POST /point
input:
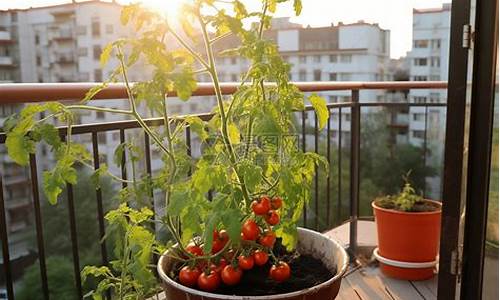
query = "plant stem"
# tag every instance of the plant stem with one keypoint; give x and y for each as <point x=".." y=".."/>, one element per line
<point x="218" y="93"/>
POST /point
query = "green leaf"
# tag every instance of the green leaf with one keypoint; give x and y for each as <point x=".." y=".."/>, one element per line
<point x="119" y="153"/>
<point x="319" y="105"/>
<point x="231" y="221"/>
<point x="184" y="84"/>
<point x="197" y="125"/>
<point x="297" y="6"/>
<point x="234" y="134"/>
<point x="106" y="54"/>
<point x="50" y="135"/>
<point x="252" y="174"/>
<point x="19" y="147"/>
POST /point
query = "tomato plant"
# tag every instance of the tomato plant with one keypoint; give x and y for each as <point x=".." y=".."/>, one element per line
<point x="231" y="275"/>
<point x="250" y="230"/>
<point x="260" y="257"/>
<point x="217" y="199"/>
<point x="261" y="206"/>
<point x="245" y="262"/>
<point x="280" y="271"/>
<point x="209" y="281"/>
<point x="189" y="276"/>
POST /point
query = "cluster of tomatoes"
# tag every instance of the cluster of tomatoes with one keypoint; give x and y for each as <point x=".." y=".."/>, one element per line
<point x="254" y="251"/>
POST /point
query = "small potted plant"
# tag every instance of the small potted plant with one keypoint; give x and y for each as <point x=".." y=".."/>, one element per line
<point x="232" y="212"/>
<point x="408" y="228"/>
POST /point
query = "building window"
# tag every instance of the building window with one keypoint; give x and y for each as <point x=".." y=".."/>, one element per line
<point x="420" y="61"/>
<point x="82" y="51"/>
<point x="38" y="60"/>
<point x="419" y="99"/>
<point x="14" y="16"/>
<point x="302" y="59"/>
<point x="420" y="78"/>
<point x="96" y="27"/>
<point x="348" y="117"/>
<point x="102" y="138"/>
<point x="335" y="116"/>
<point x="333" y="99"/>
<point x="435" y="62"/>
<point x="436" y="44"/>
<point x="99" y="115"/>
<point x="317" y="58"/>
<point x="418" y="117"/>
<point x="434" y="97"/>
<point x="345" y="58"/>
<point x="81" y="30"/>
<point x="97" y="52"/>
<point x="37" y="39"/>
<point x="420" y="43"/>
<point x="109" y="28"/>
<point x="98" y="75"/>
<point x="317" y="75"/>
<point x="434" y="78"/>
<point x="419" y="134"/>
<point x="302" y="75"/>
<point x="234" y="77"/>
<point x="193" y="107"/>
<point x="115" y="136"/>
<point x="345" y="76"/>
<point x="233" y="60"/>
<point x="333" y="58"/>
<point x="333" y="76"/>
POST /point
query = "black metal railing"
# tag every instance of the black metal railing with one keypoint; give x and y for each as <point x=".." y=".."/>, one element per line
<point x="350" y="146"/>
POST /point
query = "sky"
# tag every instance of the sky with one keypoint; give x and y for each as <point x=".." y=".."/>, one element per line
<point x="395" y="15"/>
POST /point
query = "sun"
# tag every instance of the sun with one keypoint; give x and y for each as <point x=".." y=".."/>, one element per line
<point x="168" y="7"/>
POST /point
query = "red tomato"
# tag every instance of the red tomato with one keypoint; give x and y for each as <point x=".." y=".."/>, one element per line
<point x="276" y="202"/>
<point x="272" y="218"/>
<point x="189" y="276"/>
<point x="195" y="250"/>
<point x="260" y="257"/>
<point x="220" y="266"/>
<point x="268" y="239"/>
<point x="261" y="206"/>
<point x="209" y="282"/>
<point x="230" y="275"/>
<point x="280" y="271"/>
<point x="245" y="262"/>
<point x="250" y="230"/>
<point x="220" y="238"/>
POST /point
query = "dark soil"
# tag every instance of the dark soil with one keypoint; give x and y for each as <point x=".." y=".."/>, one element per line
<point x="421" y="206"/>
<point x="307" y="272"/>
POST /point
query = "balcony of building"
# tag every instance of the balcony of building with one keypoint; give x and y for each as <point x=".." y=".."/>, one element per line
<point x="6" y="61"/>
<point x="5" y="36"/>
<point x="334" y="212"/>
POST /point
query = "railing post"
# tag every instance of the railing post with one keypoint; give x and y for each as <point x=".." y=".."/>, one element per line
<point x="354" y="172"/>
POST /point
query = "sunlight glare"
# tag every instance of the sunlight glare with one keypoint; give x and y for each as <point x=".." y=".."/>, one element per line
<point x="170" y="8"/>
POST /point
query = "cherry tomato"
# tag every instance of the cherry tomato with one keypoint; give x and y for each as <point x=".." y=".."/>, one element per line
<point x="220" y="266"/>
<point x="276" y="202"/>
<point x="245" y="262"/>
<point x="272" y="218"/>
<point x="230" y="275"/>
<point x="268" y="239"/>
<point x="280" y="271"/>
<point x="209" y="281"/>
<point x="250" y="230"/>
<point x="220" y="238"/>
<point x="260" y="257"/>
<point x="195" y="250"/>
<point x="261" y="206"/>
<point x="189" y="276"/>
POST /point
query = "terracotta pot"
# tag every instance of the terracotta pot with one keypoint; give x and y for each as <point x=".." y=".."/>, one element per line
<point x="328" y="251"/>
<point x="411" y="237"/>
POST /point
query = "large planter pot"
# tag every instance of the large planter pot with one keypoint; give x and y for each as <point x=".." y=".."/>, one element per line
<point x="408" y="242"/>
<point x="310" y="242"/>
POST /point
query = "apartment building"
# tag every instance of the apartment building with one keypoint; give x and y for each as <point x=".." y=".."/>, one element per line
<point x="342" y="52"/>
<point x="429" y="62"/>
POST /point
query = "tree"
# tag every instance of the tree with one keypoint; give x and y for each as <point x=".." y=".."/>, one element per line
<point x="60" y="280"/>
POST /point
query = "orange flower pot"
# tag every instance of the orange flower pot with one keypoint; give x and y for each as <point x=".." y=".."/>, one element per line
<point x="411" y="237"/>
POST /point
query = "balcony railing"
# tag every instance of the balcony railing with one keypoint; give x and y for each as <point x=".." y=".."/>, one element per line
<point x="308" y="139"/>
